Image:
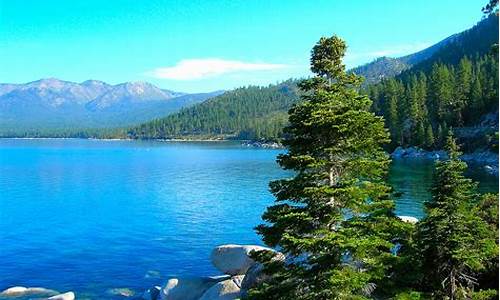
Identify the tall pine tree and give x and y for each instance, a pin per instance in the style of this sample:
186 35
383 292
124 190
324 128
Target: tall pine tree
334 219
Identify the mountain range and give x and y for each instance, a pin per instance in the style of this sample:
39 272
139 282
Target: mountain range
253 112
53 103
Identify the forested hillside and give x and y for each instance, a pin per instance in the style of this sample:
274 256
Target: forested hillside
457 87
244 113
419 107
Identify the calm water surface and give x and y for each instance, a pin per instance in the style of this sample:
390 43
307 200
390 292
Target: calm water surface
90 216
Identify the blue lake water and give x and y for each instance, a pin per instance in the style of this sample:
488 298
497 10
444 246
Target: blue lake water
89 216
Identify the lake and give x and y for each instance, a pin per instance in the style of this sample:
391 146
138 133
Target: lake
90 216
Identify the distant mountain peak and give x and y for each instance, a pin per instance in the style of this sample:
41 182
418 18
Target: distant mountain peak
50 82
92 82
51 102
478 37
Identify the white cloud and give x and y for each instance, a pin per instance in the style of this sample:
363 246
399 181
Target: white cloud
189 69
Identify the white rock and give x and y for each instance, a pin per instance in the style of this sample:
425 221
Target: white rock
64 296
234 259
225 290
14 291
408 219
41 291
21 291
152 293
188 288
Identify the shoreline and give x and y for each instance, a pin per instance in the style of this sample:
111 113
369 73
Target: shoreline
120 139
486 159
479 157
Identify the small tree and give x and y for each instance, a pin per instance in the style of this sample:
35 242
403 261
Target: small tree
453 239
429 137
334 219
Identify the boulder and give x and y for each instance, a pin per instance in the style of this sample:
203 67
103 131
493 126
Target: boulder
14 291
64 296
253 277
234 259
408 219
398 152
492 170
188 288
224 290
22 291
151 293
124 292
152 274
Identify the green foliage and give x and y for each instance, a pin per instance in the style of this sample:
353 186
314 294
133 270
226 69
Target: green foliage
412 295
334 145
454 241
485 295
429 137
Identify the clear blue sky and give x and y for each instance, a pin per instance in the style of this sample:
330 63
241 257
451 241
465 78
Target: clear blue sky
209 45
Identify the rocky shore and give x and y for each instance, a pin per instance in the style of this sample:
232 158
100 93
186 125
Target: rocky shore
486 159
262 144
240 273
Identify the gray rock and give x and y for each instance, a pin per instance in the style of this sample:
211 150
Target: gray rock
124 292
415 152
188 288
224 290
398 152
64 296
151 293
492 170
234 259
253 277
152 274
238 279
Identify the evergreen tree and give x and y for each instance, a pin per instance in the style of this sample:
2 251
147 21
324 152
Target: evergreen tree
487 209
421 134
429 137
454 241
462 88
391 111
477 106
442 93
334 219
